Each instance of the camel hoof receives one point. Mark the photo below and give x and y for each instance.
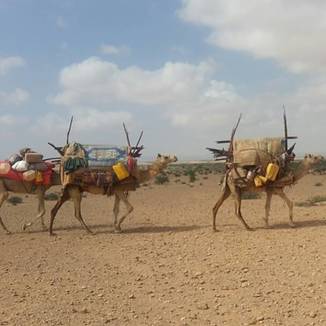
(25, 226)
(215, 229)
(117, 230)
(249, 229)
(292, 225)
(8, 233)
(52, 234)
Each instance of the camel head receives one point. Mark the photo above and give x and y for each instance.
(166, 159)
(311, 160)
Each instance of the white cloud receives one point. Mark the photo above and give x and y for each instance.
(289, 31)
(113, 50)
(8, 63)
(185, 94)
(86, 119)
(187, 101)
(16, 97)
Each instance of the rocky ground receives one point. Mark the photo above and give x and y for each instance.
(168, 267)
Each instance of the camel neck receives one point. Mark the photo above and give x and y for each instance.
(156, 167)
(302, 170)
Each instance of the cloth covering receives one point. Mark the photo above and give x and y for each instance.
(257, 151)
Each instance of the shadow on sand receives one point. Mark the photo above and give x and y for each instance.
(107, 228)
(298, 225)
(156, 229)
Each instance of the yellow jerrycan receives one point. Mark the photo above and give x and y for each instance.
(121, 171)
(272, 171)
(259, 180)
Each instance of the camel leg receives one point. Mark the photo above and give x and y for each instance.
(64, 197)
(41, 209)
(116, 209)
(3, 196)
(267, 207)
(226, 193)
(289, 203)
(76, 196)
(237, 198)
(122, 196)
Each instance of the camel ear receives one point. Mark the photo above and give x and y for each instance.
(306, 156)
(159, 155)
(310, 156)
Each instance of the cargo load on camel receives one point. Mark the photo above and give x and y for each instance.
(258, 161)
(76, 168)
(102, 166)
(27, 166)
(259, 165)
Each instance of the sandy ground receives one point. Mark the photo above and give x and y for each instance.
(168, 267)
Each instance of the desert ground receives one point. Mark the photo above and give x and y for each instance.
(168, 267)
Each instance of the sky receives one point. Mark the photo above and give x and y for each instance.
(180, 70)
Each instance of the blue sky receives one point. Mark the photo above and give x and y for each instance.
(180, 70)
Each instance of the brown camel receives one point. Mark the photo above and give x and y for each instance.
(24, 187)
(275, 188)
(119, 190)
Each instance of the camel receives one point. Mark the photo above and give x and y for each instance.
(74, 192)
(24, 187)
(276, 188)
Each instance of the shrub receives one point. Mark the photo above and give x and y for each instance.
(161, 179)
(303, 204)
(250, 195)
(191, 173)
(15, 200)
(192, 176)
(51, 196)
(311, 201)
(317, 199)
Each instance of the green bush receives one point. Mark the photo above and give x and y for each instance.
(15, 200)
(191, 173)
(161, 179)
(311, 201)
(317, 199)
(51, 196)
(303, 204)
(250, 195)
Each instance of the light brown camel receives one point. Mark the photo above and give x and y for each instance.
(276, 188)
(24, 187)
(120, 193)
